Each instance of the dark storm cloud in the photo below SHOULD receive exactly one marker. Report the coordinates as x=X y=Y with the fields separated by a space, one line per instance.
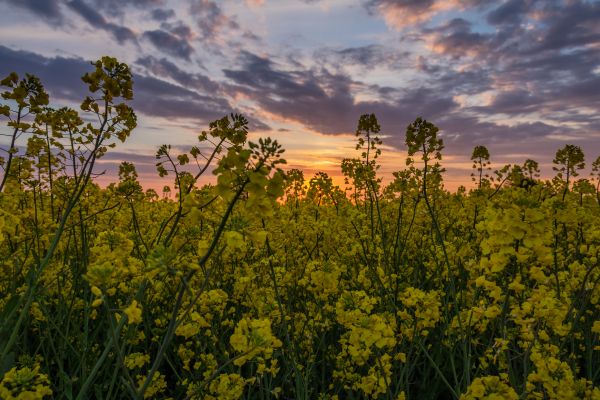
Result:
x=165 y=68
x=160 y=98
x=572 y=25
x=588 y=91
x=49 y=10
x=169 y=43
x=162 y=14
x=118 y=8
x=542 y=26
x=152 y=96
x=60 y=76
x=467 y=82
x=518 y=101
x=462 y=130
x=510 y=12
x=97 y=20
x=299 y=95
x=551 y=67
x=324 y=101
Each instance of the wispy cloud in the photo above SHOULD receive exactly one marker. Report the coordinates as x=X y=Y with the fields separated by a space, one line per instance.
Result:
x=97 y=20
x=49 y=10
x=170 y=44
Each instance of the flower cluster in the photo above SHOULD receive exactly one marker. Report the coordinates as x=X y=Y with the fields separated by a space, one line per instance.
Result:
x=265 y=285
x=25 y=384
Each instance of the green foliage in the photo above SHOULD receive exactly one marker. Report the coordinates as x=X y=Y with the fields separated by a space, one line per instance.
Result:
x=568 y=161
x=30 y=97
x=28 y=93
x=481 y=162
x=531 y=168
x=422 y=137
x=262 y=286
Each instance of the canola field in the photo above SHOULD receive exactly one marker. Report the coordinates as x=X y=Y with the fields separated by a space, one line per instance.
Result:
x=272 y=285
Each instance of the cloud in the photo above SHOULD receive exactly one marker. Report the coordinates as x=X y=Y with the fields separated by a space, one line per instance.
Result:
x=485 y=71
x=179 y=29
x=509 y=12
x=363 y=55
x=95 y=19
x=540 y=60
x=572 y=25
x=162 y=14
x=547 y=25
x=296 y=95
x=47 y=9
x=210 y=19
x=119 y=7
x=400 y=14
x=323 y=101
x=456 y=39
x=326 y=102
x=367 y=56
x=170 y=43
x=152 y=96
x=517 y=101
x=163 y=99
x=165 y=68
x=60 y=76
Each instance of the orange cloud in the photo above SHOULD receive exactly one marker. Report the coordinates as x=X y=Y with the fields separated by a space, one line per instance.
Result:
x=400 y=15
x=255 y=3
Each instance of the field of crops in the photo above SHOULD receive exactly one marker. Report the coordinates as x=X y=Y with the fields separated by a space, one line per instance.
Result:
x=267 y=285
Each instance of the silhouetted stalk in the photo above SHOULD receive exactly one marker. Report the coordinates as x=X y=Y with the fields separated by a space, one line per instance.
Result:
x=11 y=150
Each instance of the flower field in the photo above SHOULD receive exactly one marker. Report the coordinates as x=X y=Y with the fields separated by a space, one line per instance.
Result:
x=272 y=285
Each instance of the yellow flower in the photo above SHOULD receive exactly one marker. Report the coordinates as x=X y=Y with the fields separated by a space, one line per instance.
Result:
x=489 y=388
x=187 y=330
x=136 y=360
x=96 y=291
x=157 y=386
x=228 y=387
x=97 y=303
x=24 y=384
x=253 y=338
x=422 y=311
x=134 y=313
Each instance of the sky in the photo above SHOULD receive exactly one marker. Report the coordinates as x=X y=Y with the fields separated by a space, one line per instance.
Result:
x=521 y=77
